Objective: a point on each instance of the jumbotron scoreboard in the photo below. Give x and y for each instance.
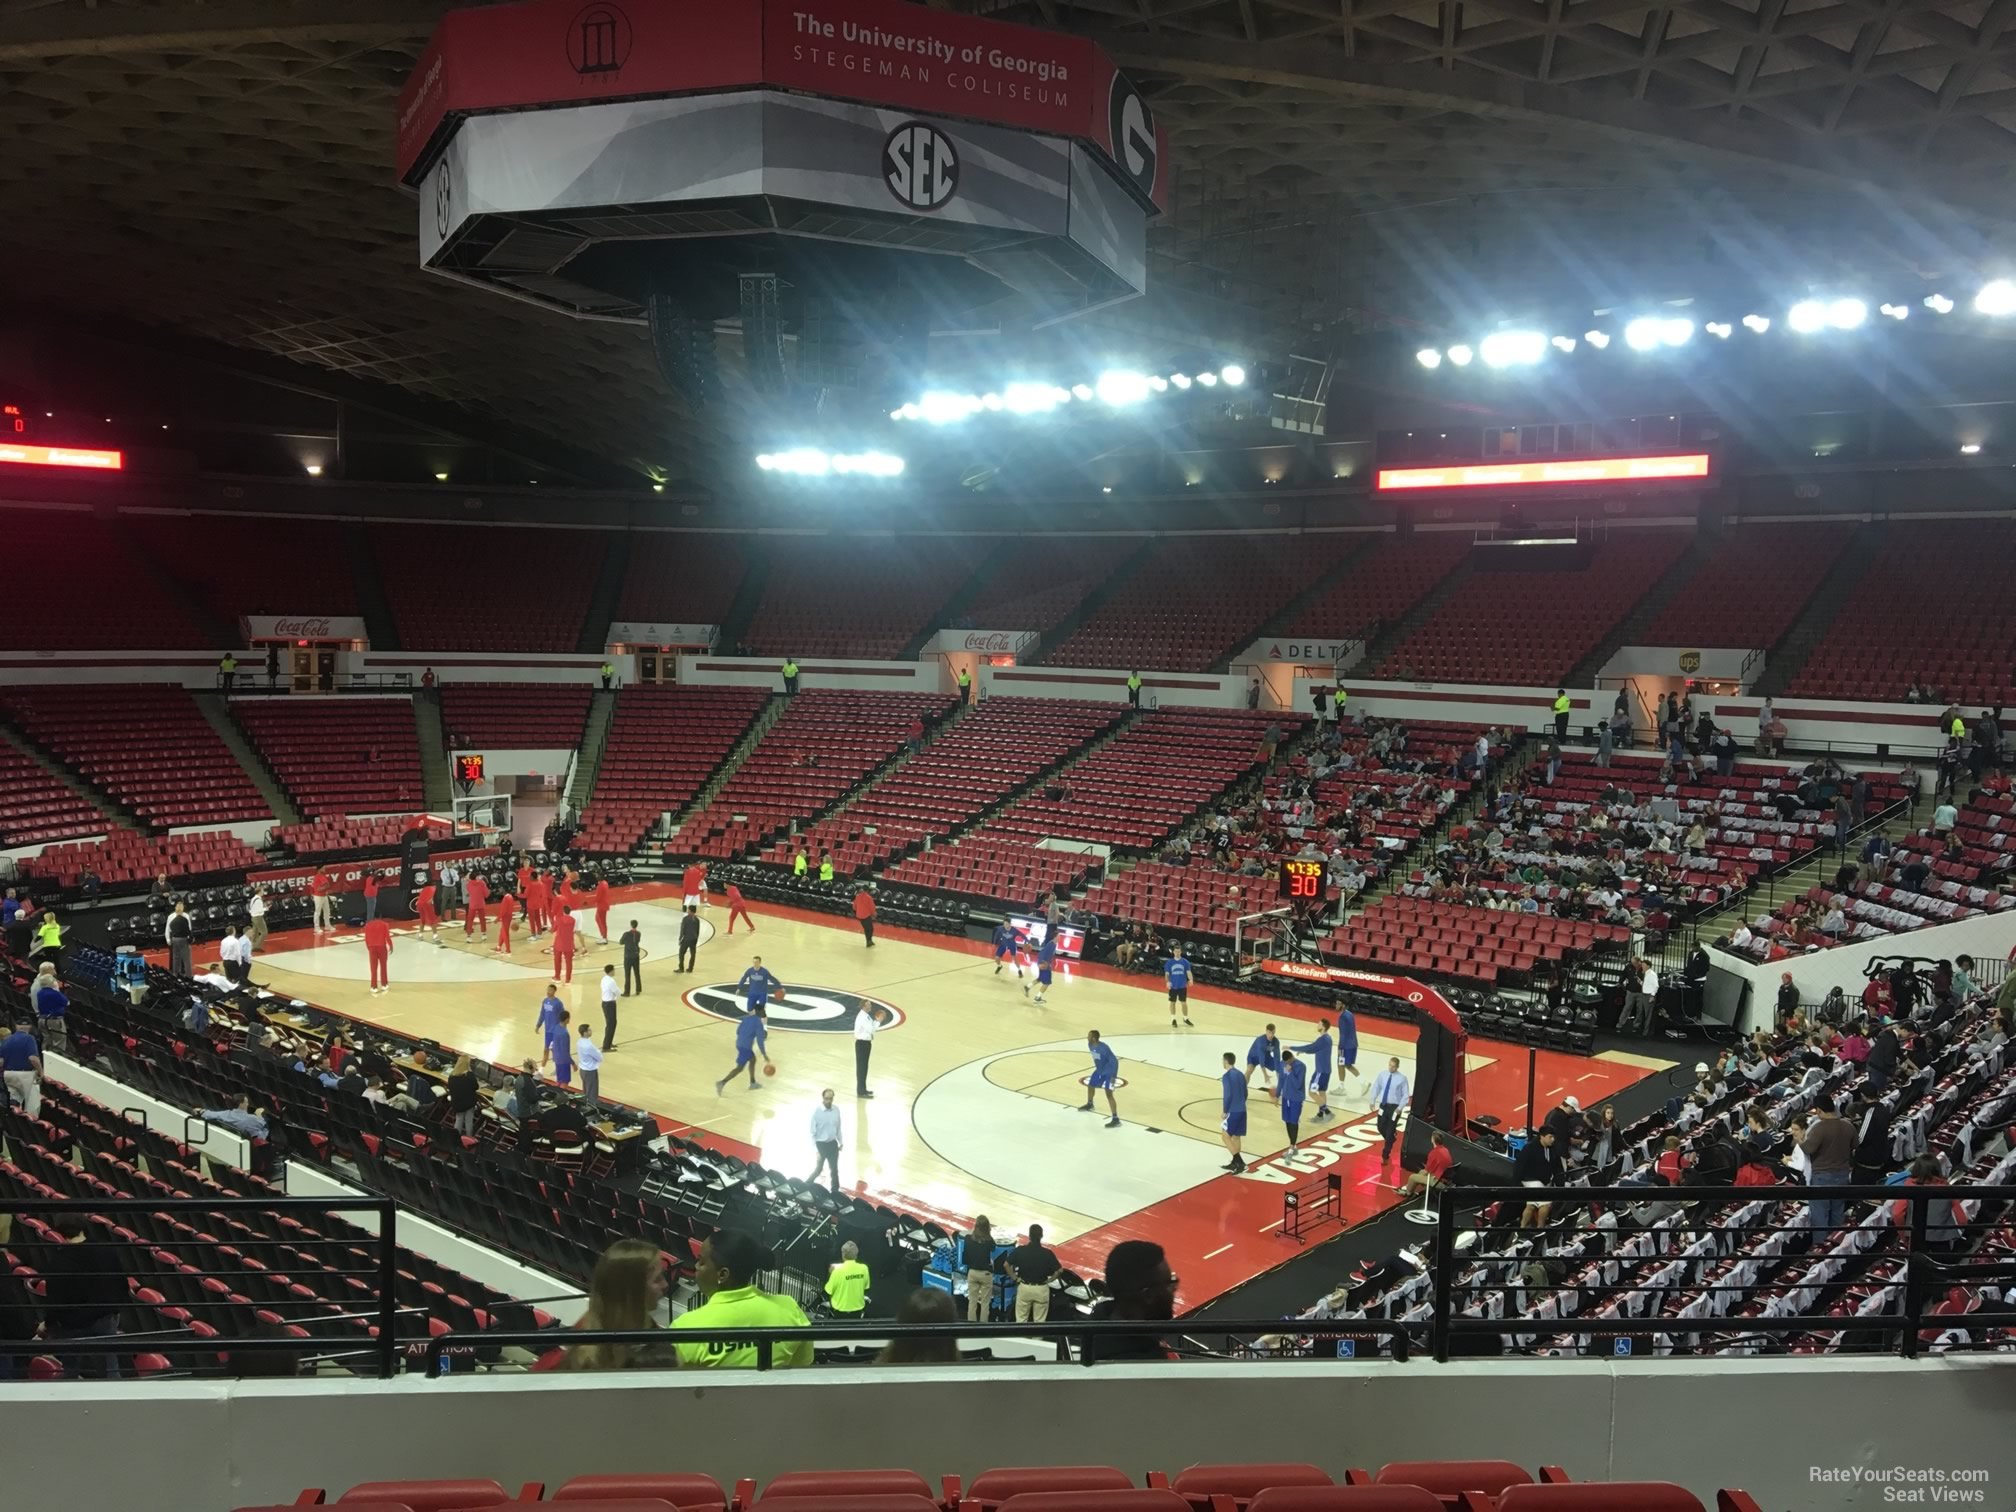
(1302, 880)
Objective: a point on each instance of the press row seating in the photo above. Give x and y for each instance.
(679, 577)
(851, 733)
(1380, 586)
(857, 596)
(1409, 1486)
(534, 593)
(1528, 628)
(1752, 587)
(348, 754)
(305, 566)
(514, 716)
(1920, 614)
(125, 858)
(1197, 598)
(36, 808)
(114, 601)
(1153, 778)
(146, 745)
(664, 745)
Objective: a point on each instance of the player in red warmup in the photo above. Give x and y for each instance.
(524, 878)
(694, 885)
(507, 908)
(538, 904)
(738, 908)
(563, 946)
(423, 904)
(478, 916)
(318, 889)
(602, 908)
(378, 945)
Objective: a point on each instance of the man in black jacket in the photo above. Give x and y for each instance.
(689, 938)
(1538, 1165)
(84, 1281)
(1142, 1287)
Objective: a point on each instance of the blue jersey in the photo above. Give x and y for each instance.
(549, 1015)
(1264, 1052)
(1294, 1087)
(1235, 1090)
(756, 986)
(1178, 973)
(560, 1043)
(751, 1032)
(1104, 1061)
(1320, 1047)
(1347, 1036)
(1004, 939)
(1047, 951)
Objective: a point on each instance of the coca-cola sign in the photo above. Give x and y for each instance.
(998, 640)
(982, 642)
(314, 628)
(300, 627)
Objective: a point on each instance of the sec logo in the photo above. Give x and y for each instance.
(815, 1010)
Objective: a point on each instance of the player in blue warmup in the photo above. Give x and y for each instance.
(1347, 1040)
(752, 1035)
(1176, 971)
(1294, 1089)
(1265, 1053)
(757, 984)
(1046, 957)
(550, 1010)
(1007, 947)
(1233, 1128)
(1321, 1048)
(1105, 1074)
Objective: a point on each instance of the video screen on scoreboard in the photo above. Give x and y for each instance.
(1070, 938)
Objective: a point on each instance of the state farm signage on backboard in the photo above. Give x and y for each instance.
(309, 627)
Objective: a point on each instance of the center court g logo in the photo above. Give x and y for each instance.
(818, 1010)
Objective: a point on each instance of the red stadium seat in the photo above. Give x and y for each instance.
(1450, 1478)
(794, 1483)
(429, 1495)
(689, 1493)
(1200, 1483)
(866, 1501)
(1608, 1496)
(1347, 1499)
(992, 1487)
(1155, 1499)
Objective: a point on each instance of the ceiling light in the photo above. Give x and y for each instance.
(1807, 316)
(1895, 311)
(1971, 449)
(1997, 298)
(440, 477)
(1117, 386)
(1082, 390)
(1106, 488)
(1461, 355)
(1159, 384)
(1181, 380)
(1563, 343)
(1938, 304)
(1643, 334)
(1758, 323)
(1429, 358)
(1676, 330)
(1597, 339)
(1512, 348)
(314, 469)
(1209, 380)
(939, 407)
(1233, 374)
(990, 402)
(1033, 398)
(1846, 314)
(1721, 330)
(657, 488)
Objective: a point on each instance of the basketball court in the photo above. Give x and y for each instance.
(977, 1087)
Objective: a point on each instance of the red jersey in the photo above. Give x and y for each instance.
(371, 885)
(563, 932)
(424, 899)
(524, 880)
(479, 892)
(864, 904)
(602, 893)
(539, 894)
(378, 937)
(318, 885)
(695, 879)
(735, 898)
(1438, 1162)
(507, 906)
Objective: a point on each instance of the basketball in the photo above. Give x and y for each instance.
(769, 1068)
(778, 994)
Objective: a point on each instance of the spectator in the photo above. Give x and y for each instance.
(924, 1305)
(726, 1275)
(462, 1095)
(847, 1284)
(1434, 1167)
(51, 1007)
(239, 1118)
(21, 1069)
(1829, 1146)
(1538, 1165)
(629, 1283)
(1141, 1288)
(1945, 1221)
(84, 1291)
(178, 934)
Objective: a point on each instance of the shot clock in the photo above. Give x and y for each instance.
(468, 768)
(1302, 879)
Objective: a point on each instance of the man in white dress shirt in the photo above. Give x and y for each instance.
(826, 1138)
(867, 1020)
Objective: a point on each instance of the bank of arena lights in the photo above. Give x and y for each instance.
(1651, 332)
(811, 462)
(1116, 388)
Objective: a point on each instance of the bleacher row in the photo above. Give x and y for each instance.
(1183, 602)
(1399, 1486)
(1471, 944)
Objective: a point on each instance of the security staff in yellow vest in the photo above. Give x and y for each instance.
(790, 674)
(48, 935)
(1337, 702)
(825, 866)
(965, 686)
(227, 670)
(1561, 707)
(798, 864)
(1958, 729)
(608, 673)
(1134, 689)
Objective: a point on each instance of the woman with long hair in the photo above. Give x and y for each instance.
(462, 1094)
(628, 1284)
(923, 1306)
(977, 1256)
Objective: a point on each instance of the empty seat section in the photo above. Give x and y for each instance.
(113, 601)
(146, 745)
(858, 596)
(514, 716)
(824, 744)
(329, 836)
(1531, 626)
(348, 754)
(533, 586)
(36, 807)
(304, 565)
(1197, 599)
(664, 744)
(1380, 585)
(126, 857)
(1038, 581)
(1923, 614)
(687, 577)
(1751, 588)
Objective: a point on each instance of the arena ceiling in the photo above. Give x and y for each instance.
(222, 171)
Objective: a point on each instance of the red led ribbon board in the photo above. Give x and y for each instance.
(1550, 474)
(61, 456)
(877, 52)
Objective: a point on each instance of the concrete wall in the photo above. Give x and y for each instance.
(503, 666)
(1097, 684)
(1852, 728)
(1771, 1427)
(1474, 703)
(930, 676)
(1718, 663)
(1986, 937)
(190, 669)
